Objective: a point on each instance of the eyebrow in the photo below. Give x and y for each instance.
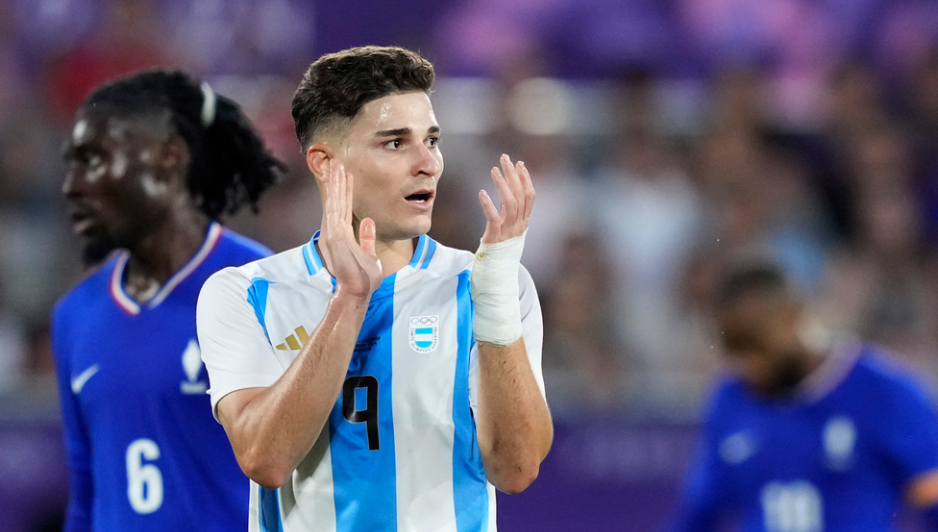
(403, 131)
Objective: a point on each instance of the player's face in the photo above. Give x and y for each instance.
(392, 153)
(111, 180)
(759, 336)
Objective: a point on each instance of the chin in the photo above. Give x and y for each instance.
(96, 248)
(415, 230)
(424, 225)
(422, 230)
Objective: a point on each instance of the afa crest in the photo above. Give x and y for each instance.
(424, 333)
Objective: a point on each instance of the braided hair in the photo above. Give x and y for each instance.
(229, 166)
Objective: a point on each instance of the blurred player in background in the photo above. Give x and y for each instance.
(154, 160)
(813, 432)
(365, 380)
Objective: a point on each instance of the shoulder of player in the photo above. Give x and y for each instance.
(889, 376)
(727, 391)
(727, 400)
(444, 259)
(277, 267)
(92, 285)
(241, 248)
(72, 310)
(231, 285)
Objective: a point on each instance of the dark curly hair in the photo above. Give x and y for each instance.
(229, 166)
(336, 86)
(753, 275)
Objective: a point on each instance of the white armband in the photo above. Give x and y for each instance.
(495, 291)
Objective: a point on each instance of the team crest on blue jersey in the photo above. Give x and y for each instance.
(840, 437)
(192, 366)
(424, 333)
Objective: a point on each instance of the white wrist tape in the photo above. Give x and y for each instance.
(495, 291)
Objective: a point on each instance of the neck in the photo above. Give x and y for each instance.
(810, 362)
(395, 254)
(162, 251)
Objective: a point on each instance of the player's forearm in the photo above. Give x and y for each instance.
(514, 425)
(280, 425)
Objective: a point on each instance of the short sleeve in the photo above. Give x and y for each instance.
(909, 431)
(532, 324)
(232, 336)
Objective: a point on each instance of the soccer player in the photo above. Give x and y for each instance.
(373, 379)
(812, 432)
(154, 159)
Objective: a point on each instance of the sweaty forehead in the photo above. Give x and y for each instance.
(396, 111)
(102, 128)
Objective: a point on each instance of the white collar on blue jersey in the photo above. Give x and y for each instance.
(832, 371)
(130, 305)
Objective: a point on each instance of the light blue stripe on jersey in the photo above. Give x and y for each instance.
(418, 252)
(311, 255)
(470, 488)
(431, 249)
(270, 510)
(257, 297)
(307, 258)
(365, 481)
(269, 506)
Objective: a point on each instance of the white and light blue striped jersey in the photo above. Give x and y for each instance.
(399, 451)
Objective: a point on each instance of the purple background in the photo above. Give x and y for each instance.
(603, 474)
(600, 476)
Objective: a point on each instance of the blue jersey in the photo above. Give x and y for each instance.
(143, 449)
(837, 457)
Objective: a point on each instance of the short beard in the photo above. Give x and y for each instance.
(788, 376)
(96, 249)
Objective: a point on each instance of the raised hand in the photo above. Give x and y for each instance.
(354, 264)
(516, 193)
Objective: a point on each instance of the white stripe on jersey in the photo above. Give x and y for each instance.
(312, 480)
(423, 437)
(426, 474)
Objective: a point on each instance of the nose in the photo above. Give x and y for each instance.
(74, 182)
(429, 161)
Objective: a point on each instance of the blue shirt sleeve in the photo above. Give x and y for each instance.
(77, 447)
(909, 432)
(702, 503)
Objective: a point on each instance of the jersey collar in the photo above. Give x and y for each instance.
(837, 364)
(423, 254)
(131, 306)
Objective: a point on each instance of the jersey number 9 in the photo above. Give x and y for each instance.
(368, 415)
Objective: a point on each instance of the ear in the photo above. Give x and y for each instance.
(317, 155)
(173, 157)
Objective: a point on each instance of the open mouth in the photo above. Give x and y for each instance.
(420, 197)
(82, 222)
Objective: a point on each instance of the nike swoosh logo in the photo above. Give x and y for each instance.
(79, 382)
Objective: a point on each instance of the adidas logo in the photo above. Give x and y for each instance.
(295, 341)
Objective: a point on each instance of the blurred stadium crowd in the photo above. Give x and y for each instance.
(665, 138)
